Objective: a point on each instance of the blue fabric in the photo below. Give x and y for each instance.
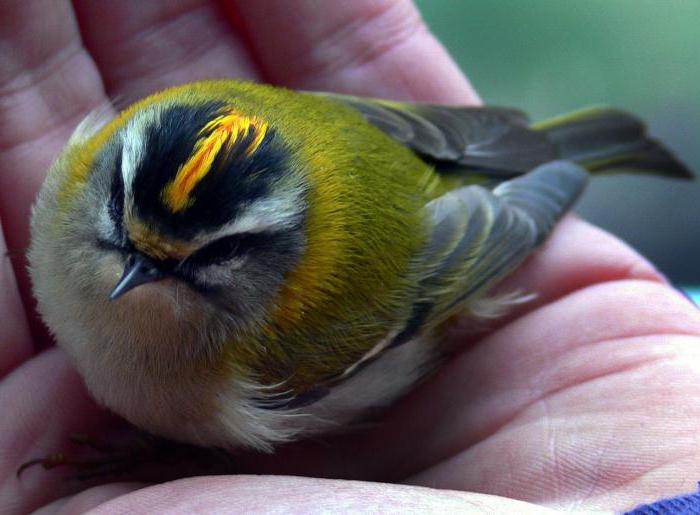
(680, 505)
(694, 293)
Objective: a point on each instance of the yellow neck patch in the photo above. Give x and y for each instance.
(220, 134)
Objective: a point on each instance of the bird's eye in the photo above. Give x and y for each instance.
(226, 248)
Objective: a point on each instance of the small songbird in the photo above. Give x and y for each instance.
(237, 265)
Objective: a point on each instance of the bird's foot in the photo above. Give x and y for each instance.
(133, 456)
(112, 460)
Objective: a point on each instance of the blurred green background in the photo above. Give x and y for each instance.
(551, 56)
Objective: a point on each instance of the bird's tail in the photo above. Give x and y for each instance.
(604, 139)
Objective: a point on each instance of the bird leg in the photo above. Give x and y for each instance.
(116, 459)
(119, 459)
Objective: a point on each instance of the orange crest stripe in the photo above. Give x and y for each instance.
(219, 134)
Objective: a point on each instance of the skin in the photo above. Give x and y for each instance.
(584, 399)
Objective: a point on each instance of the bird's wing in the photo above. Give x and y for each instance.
(495, 139)
(479, 235)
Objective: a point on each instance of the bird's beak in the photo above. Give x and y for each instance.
(138, 270)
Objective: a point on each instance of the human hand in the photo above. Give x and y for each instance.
(583, 399)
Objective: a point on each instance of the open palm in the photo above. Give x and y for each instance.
(585, 398)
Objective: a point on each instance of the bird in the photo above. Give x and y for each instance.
(238, 265)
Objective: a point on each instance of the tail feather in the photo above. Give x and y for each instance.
(603, 139)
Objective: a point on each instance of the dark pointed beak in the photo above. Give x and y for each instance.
(138, 270)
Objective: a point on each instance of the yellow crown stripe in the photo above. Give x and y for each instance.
(222, 132)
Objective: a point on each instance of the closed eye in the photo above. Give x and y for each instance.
(110, 245)
(226, 248)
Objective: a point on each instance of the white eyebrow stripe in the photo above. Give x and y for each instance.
(104, 223)
(263, 215)
(134, 144)
(277, 212)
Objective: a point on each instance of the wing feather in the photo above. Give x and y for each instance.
(504, 226)
(497, 139)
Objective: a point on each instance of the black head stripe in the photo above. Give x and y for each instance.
(236, 178)
(116, 198)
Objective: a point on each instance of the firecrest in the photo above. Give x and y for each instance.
(232, 264)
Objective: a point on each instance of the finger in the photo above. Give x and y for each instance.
(366, 47)
(42, 402)
(15, 338)
(90, 498)
(141, 47)
(587, 398)
(260, 494)
(47, 85)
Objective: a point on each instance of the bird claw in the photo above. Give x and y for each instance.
(48, 462)
(115, 460)
(119, 459)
